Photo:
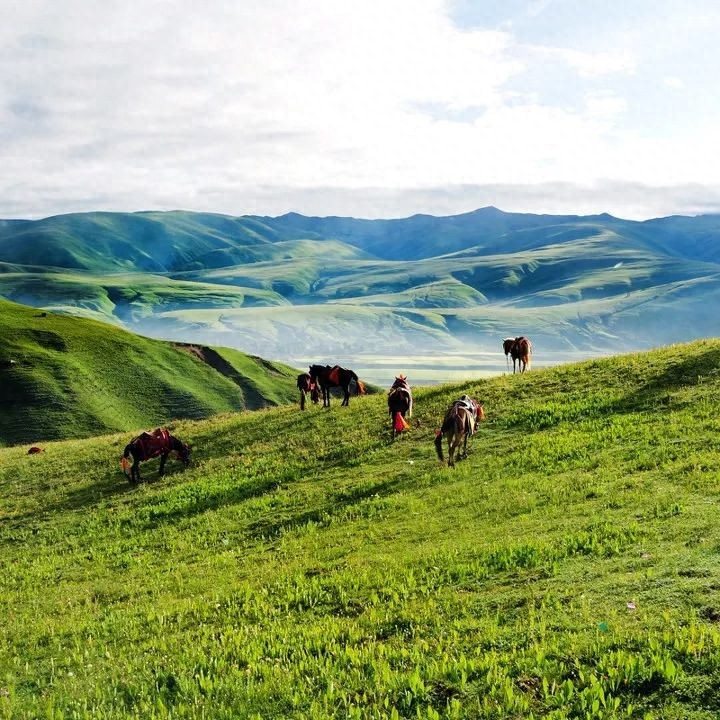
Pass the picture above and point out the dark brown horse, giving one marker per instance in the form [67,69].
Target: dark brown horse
[306,385]
[519,349]
[400,404]
[158,443]
[328,377]
[460,422]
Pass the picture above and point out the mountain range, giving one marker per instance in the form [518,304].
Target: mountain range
[296,286]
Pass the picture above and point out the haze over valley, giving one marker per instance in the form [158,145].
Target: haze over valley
[433,294]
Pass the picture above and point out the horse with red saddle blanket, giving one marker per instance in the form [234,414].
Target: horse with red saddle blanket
[400,403]
[158,443]
[328,377]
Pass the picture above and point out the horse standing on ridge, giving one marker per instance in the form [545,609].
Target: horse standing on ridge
[519,349]
[148,445]
[400,404]
[460,422]
[328,377]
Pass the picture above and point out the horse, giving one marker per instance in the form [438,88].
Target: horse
[150,445]
[328,377]
[400,404]
[305,385]
[459,423]
[519,349]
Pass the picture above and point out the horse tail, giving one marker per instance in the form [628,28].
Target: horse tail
[438,444]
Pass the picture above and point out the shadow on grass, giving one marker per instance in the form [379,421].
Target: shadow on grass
[332,509]
[656,392]
[202,501]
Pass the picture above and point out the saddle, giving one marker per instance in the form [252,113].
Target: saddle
[153,443]
[334,375]
[467,403]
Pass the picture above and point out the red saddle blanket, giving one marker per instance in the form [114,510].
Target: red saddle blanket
[154,443]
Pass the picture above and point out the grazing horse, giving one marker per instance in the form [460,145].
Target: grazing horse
[519,349]
[328,377]
[306,385]
[150,445]
[460,422]
[400,404]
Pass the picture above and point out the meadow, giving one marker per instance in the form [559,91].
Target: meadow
[305,566]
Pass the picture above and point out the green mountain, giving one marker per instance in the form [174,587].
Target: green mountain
[294,286]
[64,377]
[306,566]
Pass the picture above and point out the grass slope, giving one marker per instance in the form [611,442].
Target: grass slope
[73,377]
[306,567]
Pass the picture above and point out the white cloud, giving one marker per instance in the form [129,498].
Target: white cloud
[673,82]
[167,103]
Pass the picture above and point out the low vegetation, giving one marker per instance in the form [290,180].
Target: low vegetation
[305,566]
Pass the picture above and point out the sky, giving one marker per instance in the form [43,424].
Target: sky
[373,108]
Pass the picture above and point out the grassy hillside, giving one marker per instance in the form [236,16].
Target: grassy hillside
[304,566]
[70,377]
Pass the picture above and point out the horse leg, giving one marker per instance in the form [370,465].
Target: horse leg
[135,471]
[302,399]
[451,451]
[346,393]
[163,458]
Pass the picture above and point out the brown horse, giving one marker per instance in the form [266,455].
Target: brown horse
[328,377]
[148,445]
[306,385]
[460,422]
[519,349]
[400,404]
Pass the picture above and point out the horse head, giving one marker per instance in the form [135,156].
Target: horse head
[479,411]
[315,371]
[400,382]
[508,344]
[183,452]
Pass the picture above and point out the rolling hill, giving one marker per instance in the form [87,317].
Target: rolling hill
[64,377]
[294,286]
[305,566]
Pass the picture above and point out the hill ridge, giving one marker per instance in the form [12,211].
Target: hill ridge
[67,377]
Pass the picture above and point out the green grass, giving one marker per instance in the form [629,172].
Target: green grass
[304,566]
[67,377]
